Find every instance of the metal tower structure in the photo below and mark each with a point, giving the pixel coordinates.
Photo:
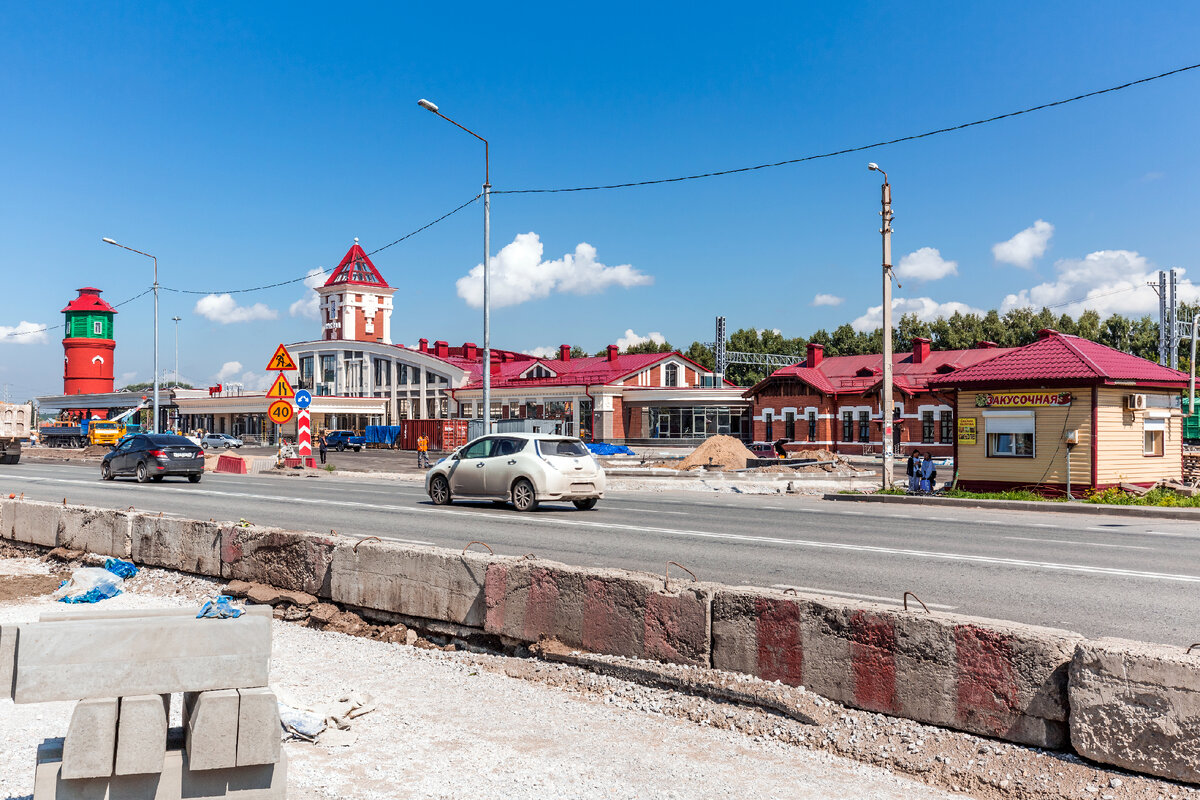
(725, 357)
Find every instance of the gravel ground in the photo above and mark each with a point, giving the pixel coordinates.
(454, 724)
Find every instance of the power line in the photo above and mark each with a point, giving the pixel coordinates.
(859, 148)
(305, 277)
(64, 325)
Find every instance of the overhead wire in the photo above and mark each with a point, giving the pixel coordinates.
(859, 148)
(15, 334)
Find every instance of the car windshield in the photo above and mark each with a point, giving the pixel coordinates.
(169, 440)
(562, 447)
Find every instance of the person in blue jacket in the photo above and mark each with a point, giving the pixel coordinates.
(928, 474)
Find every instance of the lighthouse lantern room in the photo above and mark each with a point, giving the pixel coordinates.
(89, 346)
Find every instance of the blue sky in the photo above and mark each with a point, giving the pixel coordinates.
(247, 144)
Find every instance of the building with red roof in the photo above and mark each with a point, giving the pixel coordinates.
(356, 302)
(1065, 411)
(833, 402)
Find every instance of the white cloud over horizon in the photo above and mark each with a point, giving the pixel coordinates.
(926, 308)
(1026, 246)
(542, 352)
(23, 333)
(519, 274)
(925, 264)
(630, 339)
(822, 299)
(232, 372)
(224, 309)
(309, 305)
(1106, 281)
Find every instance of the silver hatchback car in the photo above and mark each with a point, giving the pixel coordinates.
(521, 468)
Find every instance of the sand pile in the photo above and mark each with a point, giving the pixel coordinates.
(819, 455)
(724, 451)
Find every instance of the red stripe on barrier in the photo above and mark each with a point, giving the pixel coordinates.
(541, 605)
(495, 589)
(605, 628)
(231, 464)
(676, 629)
(873, 656)
(780, 649)
(987, 686)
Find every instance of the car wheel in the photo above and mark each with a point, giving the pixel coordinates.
(358, 449)
(157, 478)
(586, 505)
(524, 498)
(194, 478)
(439, 491)
(106, 472)
(143, 474)
(341, 448)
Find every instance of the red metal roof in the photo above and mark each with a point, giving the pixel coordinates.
(1058, 357)
(89, 300)
(356, 268)
(840, 374)
(589, 370)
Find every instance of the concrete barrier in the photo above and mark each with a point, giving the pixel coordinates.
(95, 530)
(185, 544)
(31, 522)
(604, 611)
(1137, 706)
(983, 676)
(295, 560)
(429, 582)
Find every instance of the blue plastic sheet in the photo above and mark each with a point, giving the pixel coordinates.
(382, 434)
(602, 449)
(122, 569)
(220, 607)
(89, 585)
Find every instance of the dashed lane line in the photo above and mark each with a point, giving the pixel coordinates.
(1086, 544)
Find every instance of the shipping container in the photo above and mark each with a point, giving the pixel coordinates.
(1191, 425)
(444, 434)
(515, 425)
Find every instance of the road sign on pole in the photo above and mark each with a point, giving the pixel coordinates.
(281, 389)
(303, 398)
(280, 412)
(282, 360)
(304, 435)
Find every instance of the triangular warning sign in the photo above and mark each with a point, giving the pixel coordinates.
(281, 360)
(281, 389)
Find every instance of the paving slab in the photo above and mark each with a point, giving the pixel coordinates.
(91, 741)
(212, 730)
(259, 729)
(8, 659)
(142, 733)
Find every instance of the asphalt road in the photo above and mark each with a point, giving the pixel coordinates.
(1098, 575)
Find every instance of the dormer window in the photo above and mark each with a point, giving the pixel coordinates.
(538, 371)
(671, 375)
(865, 372)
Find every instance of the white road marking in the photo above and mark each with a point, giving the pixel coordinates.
(901, 516)
(526, 519)
(644, 510)
(1088, 544)
(875, 598)
(855, 513)
(1042, 525)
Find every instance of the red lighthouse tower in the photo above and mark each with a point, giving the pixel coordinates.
(89, 344)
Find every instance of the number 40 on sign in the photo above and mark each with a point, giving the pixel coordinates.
(280, 412)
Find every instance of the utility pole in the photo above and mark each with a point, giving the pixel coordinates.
(1173, 322)
(176, 319)
(886, 395)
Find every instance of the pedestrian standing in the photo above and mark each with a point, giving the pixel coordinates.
(322, 446)
(928, 474)
(914, 471)
(422, 452)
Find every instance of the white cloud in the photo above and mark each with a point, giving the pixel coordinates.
(224, 309)
(542, 352)
(926, 264)
(309, 306)
(127, 378)
(926, 308)
(1106, 281)
(228, 370)
(232, 372)
(519, 274)
(828, 300)
(630, 339)
(1028, 245)
(23, 333)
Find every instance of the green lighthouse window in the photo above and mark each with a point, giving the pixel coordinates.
(98, 328)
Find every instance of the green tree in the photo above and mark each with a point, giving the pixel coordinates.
(1088, 326)
(650, 347)
(702, 355)
(578, 352)
(1143, 338)
(149, 386)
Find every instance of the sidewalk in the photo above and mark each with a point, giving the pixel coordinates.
(1079, 507)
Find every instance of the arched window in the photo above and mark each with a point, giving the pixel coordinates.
(671, 375)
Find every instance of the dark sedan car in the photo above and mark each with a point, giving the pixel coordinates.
(152, 457)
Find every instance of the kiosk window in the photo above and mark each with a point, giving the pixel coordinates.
(1010, 436)
(1154, 431)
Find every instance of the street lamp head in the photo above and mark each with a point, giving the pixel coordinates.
(110, 241)
(872, 166)
(428, 106)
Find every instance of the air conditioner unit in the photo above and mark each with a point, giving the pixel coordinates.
(1137, 402)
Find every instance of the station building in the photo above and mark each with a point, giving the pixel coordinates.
(1065, 410)
(833, 403)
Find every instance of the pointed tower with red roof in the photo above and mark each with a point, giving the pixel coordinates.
(356, 302)
(89, 345)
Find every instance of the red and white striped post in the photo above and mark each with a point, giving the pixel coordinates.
(304, 435)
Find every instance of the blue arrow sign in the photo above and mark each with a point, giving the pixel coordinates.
(303, 398)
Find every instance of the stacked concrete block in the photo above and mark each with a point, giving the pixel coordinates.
(91, 742)
(288, 559)
(184, 544)
(602, 611)
(982, 676)
(142, 734)
(211, 729)
(1137, 706)
(258, 727)
(427, 582)
(32, 523)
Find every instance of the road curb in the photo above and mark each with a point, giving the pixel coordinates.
(1156, 512)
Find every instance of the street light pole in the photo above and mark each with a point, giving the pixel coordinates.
(154, 423)
(487, 268)
(176, 349)
(886, 399)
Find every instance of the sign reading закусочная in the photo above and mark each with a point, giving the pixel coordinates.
(1021, 399)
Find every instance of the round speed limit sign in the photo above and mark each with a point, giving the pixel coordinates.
(280, 412)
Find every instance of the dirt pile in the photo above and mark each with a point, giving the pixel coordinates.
(724, 451)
